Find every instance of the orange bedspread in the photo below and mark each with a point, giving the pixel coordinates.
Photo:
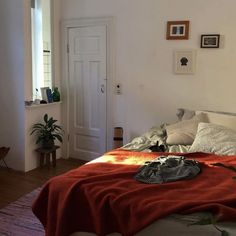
(103, 197)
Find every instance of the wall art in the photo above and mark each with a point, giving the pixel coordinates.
(184, 61)
(177, 30)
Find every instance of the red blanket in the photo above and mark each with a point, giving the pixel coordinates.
(104, 198)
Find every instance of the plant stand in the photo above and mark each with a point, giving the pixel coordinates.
(3, 153)
(46, 153)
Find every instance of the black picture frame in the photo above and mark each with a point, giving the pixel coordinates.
(210, 40)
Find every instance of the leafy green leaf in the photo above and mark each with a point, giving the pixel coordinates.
(58, 137)
(47, 131)
(57, 127)
(204, 221)
(45, 118)
(38, 126)
(209, 219)
(224, 233)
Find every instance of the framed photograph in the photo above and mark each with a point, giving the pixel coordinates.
(210, 41)
(44, 93)
(184, 61)
(177, 30)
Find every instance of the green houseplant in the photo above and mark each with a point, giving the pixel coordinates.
(47, 132)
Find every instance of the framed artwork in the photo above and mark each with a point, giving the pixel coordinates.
(184, 61)
(44, 93)
(177, 30)
(210, 41)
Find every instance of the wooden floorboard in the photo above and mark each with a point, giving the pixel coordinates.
(14, 184)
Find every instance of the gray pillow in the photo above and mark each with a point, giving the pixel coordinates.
(184, 131)
(213, 138)
(184, 114)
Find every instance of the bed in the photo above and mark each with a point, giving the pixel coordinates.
(103, 198)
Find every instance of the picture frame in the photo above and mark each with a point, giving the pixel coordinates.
(44, 93)
(210, 40)
(177, 30)
(184, 61)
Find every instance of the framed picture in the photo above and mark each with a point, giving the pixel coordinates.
(177, 30)
(44, 93)
(210, 41)
(184, 61)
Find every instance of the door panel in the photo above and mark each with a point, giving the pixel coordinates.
(87, 86)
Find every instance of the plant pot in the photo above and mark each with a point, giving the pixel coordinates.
(47, 144)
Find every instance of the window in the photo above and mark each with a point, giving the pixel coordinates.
(41, 45)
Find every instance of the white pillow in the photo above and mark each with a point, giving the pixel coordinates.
(227, 120)
(184, 131)
(213, 138)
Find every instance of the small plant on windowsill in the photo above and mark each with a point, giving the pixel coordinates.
(47, 132)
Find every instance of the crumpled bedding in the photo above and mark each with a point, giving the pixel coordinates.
(178, 148)
(150, 138)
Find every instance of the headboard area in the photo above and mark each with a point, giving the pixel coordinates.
(221, 118)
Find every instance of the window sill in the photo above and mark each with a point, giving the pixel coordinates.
(43, 105)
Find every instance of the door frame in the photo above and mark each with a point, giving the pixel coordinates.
(80, 22)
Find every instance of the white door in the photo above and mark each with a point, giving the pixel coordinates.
(87, 91)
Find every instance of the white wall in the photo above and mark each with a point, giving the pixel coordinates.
(16, 84)
(144, 61)
(35, 114)
(144, 58)
(12, 73)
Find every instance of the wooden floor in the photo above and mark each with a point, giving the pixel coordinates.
(15, 184)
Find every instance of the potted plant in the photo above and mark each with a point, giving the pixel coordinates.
(47, 132)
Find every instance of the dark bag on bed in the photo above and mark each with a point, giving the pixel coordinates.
(167, 169)
(157, 148)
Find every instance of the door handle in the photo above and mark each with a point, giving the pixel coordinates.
(103, 88)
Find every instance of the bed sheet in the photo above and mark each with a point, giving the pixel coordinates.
(175, 226)
(148, 139)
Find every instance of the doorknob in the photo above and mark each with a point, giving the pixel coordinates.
(103, 88)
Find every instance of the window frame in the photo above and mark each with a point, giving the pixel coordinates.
(33, 87)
